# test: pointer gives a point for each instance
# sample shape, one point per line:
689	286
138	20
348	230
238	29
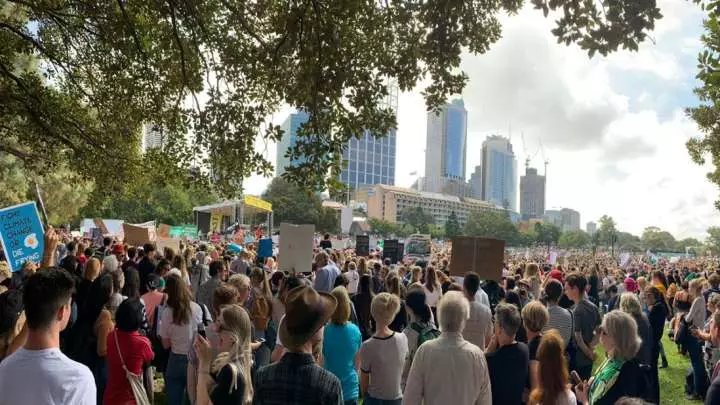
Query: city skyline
613	128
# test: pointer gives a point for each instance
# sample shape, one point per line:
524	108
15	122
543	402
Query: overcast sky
612	128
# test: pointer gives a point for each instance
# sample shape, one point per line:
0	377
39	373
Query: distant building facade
153	137
532	194
446	148
289	139
553	217
591	227
476	183
570	220
499	168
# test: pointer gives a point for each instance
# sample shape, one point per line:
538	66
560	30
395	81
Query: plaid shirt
296	379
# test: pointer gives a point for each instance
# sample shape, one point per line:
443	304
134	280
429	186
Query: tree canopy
295	205
209	74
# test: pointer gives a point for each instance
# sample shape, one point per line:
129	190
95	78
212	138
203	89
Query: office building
289	139
446	149
553	217
370	159
499	168
532	194
570	220
153	137
476	183
591	227
389	203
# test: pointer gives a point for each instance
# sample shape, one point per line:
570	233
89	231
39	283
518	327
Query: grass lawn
672	379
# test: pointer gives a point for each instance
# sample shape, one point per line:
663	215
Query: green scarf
604	379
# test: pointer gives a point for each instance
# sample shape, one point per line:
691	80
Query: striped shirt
561	320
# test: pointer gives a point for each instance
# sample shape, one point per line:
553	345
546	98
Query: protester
179	321
261	315
353	277
559	318
325	274
146	266
13	330
229	372
128	351
630	304
507	359
713	394
205	292
448	370
618	376
362	302
341	344
695	319
479	328
535	317
118	279
552	388
382	357
296	378
433	292
657	315
394	286
39	373
420	329
586	319
242	283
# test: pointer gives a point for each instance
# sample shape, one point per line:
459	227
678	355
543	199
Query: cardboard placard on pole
362	245
482	255
296	247
172	243
137	235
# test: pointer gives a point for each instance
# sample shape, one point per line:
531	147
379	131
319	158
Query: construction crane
528	157
547	161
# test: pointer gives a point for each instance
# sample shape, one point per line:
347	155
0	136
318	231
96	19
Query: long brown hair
431	281
362	266
552	369
178	299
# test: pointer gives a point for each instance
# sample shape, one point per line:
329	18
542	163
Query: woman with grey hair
449	369
619	374
630	304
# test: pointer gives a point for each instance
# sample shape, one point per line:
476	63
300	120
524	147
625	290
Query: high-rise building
476	183
290	126
499	168
591	227
553	217
371	159
532	194
570	220
446	148
153	137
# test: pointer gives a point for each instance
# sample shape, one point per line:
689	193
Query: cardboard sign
138	235
481	255
265	248
162	243
362	245
296	247
22	235
390	250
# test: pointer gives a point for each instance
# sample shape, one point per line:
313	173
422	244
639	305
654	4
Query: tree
574	240
690	244
628	241
417	218
653	238
109	67
382	227
607	232
547	234
491	224
437	232
291	203
328	221
452	226
713	239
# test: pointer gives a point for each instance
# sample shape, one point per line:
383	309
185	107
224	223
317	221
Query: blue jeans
700	377
374	401
176	379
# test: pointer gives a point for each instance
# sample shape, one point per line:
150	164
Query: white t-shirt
353	280
431	298
180	336
45	377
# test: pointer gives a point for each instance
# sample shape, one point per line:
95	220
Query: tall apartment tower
290	126
499	168
532	194
446	149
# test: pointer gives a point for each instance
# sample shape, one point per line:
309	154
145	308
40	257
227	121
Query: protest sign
265	247
139	234
163	231
400	253
172	243
390	250
624	259
296	247
553	258
362	245
22	235
481	255
96	236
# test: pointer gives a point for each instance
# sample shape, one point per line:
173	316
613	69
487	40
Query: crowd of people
98	324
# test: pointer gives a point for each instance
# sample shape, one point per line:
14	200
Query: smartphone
261	340
575	377
201	331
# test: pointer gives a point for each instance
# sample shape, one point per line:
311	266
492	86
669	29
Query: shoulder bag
136	381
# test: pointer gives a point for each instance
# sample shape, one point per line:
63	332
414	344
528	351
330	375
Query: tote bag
136	381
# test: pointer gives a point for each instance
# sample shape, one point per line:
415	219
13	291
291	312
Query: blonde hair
630	304
535	316
236	323
695	287
342	311
92	269
531	270
240	281
622	329
384	307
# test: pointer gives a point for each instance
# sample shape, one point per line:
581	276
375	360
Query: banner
362	245
296	247
215	222
346	219
265	248
390	250
482	255
22	235
255	202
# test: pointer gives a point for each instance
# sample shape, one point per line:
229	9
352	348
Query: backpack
424	333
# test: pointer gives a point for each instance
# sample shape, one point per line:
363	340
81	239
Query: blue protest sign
21	234
265	248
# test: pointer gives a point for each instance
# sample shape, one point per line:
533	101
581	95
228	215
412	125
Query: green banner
182	231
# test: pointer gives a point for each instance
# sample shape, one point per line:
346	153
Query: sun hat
306	312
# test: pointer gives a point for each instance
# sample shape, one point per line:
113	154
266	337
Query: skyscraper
289	139
532	194
476	183
499	168
153	137
370	159
570	220
446	147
